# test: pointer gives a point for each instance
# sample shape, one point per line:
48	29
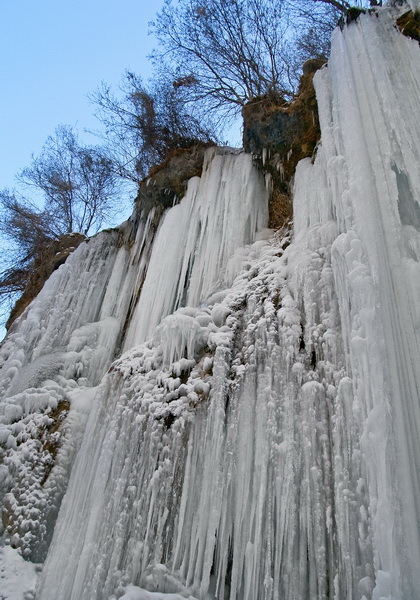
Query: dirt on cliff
409	24
167	182
279	134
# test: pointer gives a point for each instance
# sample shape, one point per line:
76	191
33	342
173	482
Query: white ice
17	577
263	441
221	212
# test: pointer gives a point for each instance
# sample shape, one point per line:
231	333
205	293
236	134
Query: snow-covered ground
18	577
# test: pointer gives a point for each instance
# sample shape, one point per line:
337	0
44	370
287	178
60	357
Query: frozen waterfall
259	437
221	212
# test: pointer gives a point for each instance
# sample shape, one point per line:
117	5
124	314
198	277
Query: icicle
52	359
220	213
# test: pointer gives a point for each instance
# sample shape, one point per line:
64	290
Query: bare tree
143	123
235	50
25	232
77	183
78	188
231	49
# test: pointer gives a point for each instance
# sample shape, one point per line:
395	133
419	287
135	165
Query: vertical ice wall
367	178
266	445
53	357
221	212
60	348
75	323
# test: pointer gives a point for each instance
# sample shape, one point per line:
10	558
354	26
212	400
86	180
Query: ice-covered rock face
266	445
60	348
221	212
263	444
53	357
366	178
414	4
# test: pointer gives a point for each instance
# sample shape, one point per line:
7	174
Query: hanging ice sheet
367	178
53	357
221	212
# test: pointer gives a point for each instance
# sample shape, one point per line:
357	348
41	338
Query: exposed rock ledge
279	134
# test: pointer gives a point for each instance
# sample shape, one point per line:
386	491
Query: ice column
221	212
366	178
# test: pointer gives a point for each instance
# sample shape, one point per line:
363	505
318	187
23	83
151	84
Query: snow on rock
135	593
414	4
17	576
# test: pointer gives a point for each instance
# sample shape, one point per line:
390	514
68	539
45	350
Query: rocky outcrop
167	182
409	24
279	134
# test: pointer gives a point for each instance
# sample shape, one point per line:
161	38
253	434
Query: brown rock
166	183
280	134
409	25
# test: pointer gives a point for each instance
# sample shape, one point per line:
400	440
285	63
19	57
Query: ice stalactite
52	359
221	211
75	322
367	168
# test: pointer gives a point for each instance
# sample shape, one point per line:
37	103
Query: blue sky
52	55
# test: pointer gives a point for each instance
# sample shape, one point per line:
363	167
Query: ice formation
221	212
262	440
60	349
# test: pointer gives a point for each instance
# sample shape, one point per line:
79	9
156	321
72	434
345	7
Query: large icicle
76	321
221	212
367	177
